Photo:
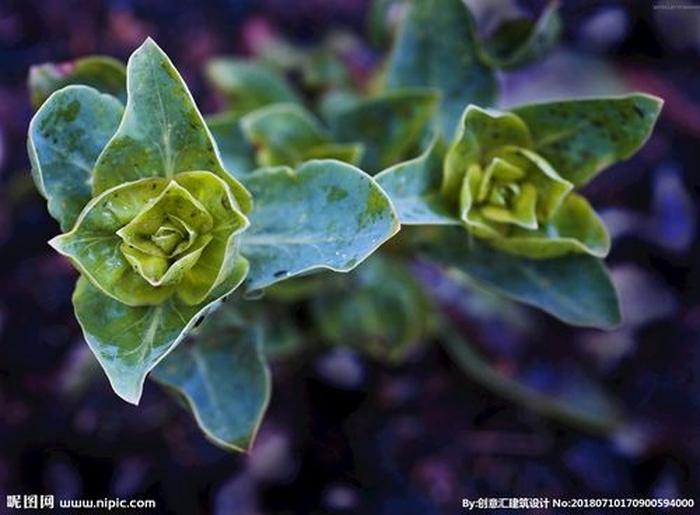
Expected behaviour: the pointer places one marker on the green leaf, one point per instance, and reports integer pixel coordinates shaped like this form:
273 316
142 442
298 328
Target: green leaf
481 132
390 126
327 214
128 341
111 243
575 288
237 153
436 47
286 134
414 188
322 69
580 138
381 21
519 41
575 227
248 85
162 132
105 74
379 309
224 377
280 330
65 138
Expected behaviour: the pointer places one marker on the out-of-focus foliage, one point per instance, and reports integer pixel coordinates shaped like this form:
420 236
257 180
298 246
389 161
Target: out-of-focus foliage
311 165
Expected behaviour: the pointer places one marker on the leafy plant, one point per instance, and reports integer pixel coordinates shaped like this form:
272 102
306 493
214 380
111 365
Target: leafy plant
166 214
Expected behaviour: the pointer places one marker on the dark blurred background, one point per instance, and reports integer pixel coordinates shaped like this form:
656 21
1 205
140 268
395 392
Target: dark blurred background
345 434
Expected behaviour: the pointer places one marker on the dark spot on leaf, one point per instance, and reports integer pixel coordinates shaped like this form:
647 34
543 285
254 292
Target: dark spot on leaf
198 322
335 194
639 111
280 273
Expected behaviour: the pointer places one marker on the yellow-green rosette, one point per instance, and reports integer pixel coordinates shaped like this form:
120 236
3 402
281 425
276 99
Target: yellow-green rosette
145 241
512 196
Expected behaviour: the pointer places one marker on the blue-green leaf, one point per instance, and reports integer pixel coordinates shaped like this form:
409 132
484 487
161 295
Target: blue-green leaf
379 309
237 153
248 85
573 288
162 132
326 214
437 47
414 187
580 138
103 73
65 138
520 41
223 375
288 135
390 126
128 341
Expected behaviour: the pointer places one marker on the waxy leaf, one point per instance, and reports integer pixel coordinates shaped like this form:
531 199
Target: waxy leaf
390 126
248 85
236 152
105 74
519 41
326 214
580 138
130 341
223 375
286 134
414 187
436 47
573 288
162 132
65 138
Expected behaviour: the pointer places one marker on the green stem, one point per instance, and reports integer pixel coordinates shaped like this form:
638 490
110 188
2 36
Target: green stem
478 369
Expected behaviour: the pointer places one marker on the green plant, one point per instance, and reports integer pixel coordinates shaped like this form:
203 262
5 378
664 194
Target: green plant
167 214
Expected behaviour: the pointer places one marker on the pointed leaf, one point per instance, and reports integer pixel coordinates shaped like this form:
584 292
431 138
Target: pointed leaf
519 41
224 377
103 73
130 341
65 138
162 132
390 126
248 85
414 188
436 47
574 288
327 214
580 138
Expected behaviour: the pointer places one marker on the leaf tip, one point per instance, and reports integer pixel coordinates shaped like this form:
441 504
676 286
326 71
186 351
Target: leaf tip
56 243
